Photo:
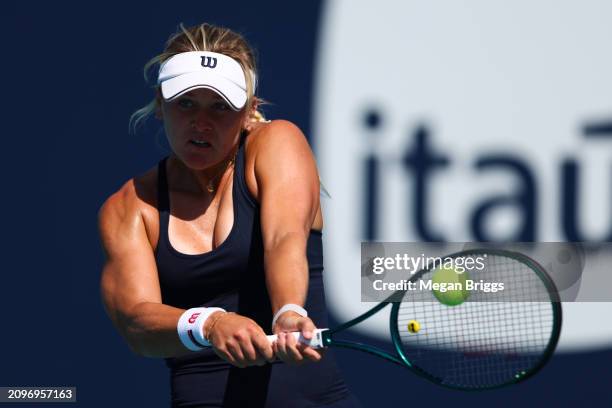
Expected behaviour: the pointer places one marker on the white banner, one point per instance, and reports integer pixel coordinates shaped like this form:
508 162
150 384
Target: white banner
462 121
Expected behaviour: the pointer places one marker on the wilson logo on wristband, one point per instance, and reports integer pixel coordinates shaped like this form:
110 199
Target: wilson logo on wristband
193 318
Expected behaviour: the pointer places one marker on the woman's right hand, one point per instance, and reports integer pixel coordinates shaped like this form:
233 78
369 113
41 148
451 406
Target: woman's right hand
238 340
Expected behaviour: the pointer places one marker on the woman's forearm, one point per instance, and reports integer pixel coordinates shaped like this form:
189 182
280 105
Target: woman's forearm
286 269
150 330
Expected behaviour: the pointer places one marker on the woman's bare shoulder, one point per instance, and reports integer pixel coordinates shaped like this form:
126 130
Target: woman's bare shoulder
273 135
136 198
277 127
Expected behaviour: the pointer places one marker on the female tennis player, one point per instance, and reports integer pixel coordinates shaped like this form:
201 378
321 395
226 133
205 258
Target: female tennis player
221 241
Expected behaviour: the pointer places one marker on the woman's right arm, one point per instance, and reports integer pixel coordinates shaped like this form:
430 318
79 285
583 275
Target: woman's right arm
129 284
132 297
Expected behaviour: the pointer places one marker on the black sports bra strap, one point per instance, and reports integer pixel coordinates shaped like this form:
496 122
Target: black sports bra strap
163 201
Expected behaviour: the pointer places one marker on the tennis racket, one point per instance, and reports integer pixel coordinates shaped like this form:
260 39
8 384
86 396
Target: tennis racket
479 344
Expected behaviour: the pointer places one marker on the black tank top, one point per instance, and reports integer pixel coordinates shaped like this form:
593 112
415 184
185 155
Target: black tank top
230 276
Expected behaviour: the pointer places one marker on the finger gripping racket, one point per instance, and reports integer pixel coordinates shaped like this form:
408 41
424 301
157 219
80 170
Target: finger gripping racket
479 344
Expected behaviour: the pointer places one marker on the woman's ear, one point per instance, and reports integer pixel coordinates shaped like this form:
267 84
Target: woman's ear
250 114
247 124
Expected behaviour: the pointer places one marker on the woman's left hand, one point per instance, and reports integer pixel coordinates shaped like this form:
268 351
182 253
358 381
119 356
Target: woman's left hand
286 347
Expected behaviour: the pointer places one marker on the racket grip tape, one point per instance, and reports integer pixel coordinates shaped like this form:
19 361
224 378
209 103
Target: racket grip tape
315 342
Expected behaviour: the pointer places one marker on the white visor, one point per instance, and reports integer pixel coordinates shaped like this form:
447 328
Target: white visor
202 69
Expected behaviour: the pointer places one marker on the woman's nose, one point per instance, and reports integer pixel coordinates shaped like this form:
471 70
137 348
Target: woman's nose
201 123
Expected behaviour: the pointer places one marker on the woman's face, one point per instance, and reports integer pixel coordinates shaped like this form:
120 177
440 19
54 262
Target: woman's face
201 128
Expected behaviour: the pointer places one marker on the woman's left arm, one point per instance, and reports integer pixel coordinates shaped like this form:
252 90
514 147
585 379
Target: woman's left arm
288 192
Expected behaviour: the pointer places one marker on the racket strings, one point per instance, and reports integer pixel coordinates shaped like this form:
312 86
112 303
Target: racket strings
486 341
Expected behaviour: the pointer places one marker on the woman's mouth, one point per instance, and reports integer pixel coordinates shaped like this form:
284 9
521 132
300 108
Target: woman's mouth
199 143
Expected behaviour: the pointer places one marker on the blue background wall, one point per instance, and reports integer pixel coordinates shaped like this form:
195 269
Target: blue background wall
72 75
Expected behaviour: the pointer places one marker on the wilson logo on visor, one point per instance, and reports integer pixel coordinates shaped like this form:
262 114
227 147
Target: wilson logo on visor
209 62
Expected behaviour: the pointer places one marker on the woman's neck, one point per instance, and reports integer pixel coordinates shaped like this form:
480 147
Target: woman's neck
205 181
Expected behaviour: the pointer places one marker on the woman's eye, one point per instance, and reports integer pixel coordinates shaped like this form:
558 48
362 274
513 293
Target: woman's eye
221 106
185 103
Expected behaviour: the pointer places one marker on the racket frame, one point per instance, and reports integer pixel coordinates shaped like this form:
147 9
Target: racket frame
402 360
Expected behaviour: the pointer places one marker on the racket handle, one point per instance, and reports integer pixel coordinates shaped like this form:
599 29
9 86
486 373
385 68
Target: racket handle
316 342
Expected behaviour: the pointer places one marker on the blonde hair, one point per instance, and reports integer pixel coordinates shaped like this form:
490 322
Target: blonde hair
206 37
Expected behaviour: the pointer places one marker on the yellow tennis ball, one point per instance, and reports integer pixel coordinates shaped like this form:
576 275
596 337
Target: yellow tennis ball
449 286
414 326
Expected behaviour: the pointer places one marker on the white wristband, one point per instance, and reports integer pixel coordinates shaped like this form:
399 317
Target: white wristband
289 307
190 327
199 334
